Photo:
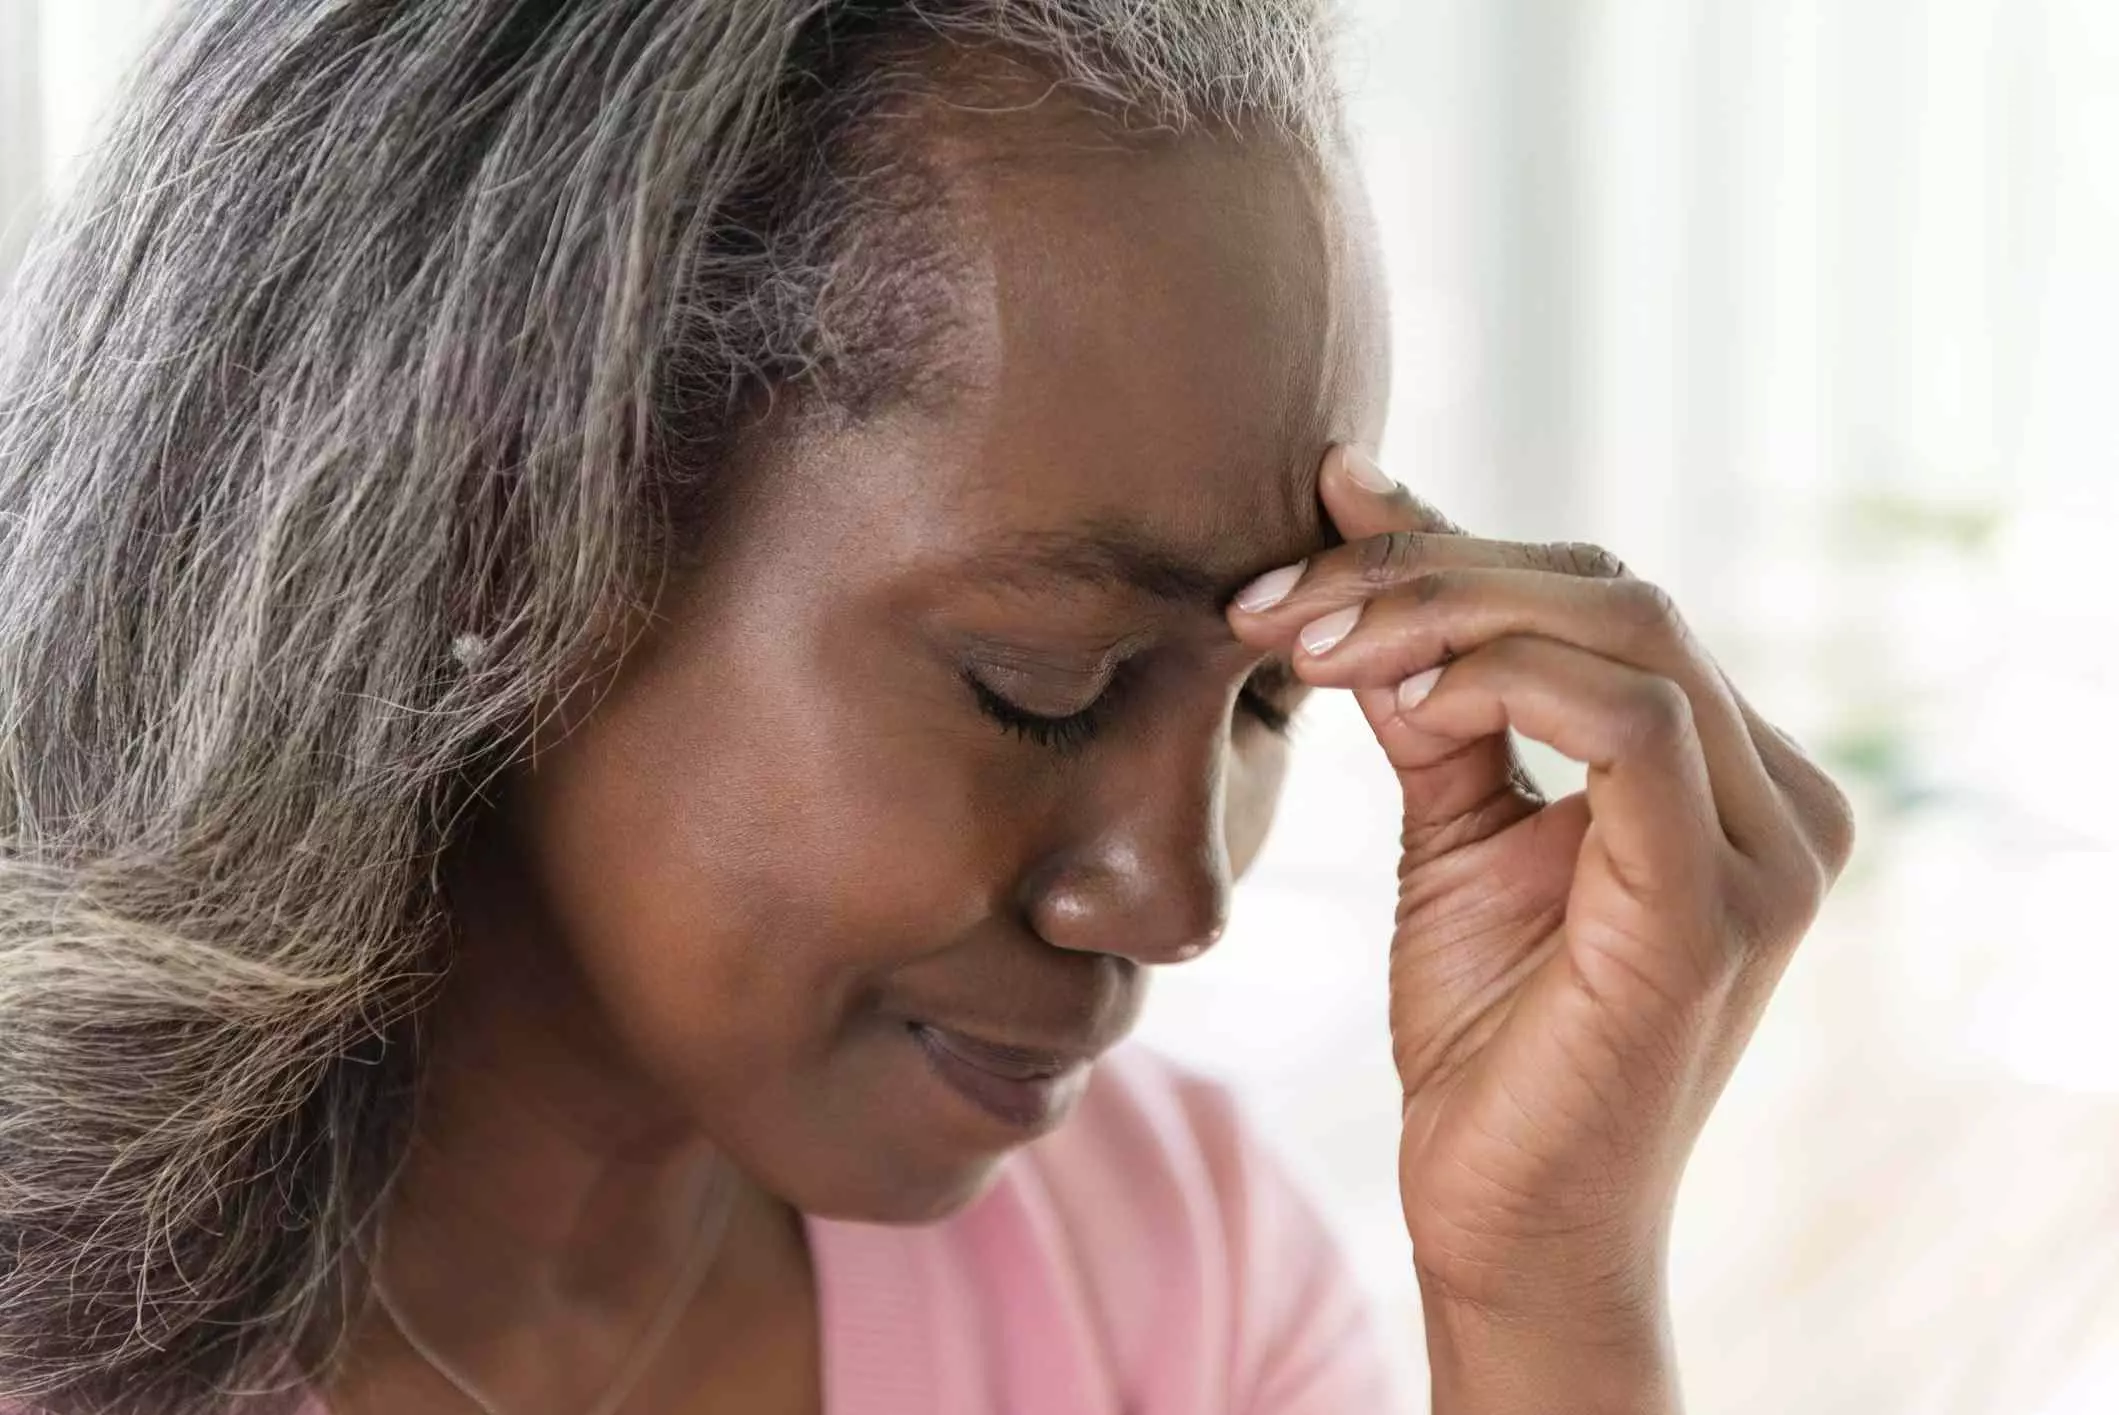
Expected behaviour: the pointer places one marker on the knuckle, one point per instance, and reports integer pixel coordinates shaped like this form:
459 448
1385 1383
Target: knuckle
1387 559
1824 816
1798 874
1801 893
1647 609
1585 561
1832 824
1657 711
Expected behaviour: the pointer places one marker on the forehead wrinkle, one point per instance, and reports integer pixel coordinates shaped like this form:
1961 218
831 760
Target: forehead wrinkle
1311 530
1101 557
1112 555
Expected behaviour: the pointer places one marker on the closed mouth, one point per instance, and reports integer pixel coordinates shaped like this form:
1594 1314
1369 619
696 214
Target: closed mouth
1010 1063
1027 1090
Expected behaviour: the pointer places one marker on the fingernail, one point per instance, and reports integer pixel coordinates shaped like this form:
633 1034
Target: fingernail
1322 635
1270 588
1366 473
1414 690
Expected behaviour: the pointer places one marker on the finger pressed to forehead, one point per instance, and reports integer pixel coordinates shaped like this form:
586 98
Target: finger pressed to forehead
1349 574
1446 613
1363 500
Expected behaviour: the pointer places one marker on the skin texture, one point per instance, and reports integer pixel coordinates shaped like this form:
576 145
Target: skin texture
699 927
697 930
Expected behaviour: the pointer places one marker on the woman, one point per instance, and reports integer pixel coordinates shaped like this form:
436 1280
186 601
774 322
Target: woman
625 625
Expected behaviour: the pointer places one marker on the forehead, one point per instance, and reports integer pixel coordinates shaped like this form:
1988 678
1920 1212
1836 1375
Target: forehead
1164 334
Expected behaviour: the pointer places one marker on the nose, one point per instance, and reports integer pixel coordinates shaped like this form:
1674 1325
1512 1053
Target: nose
1147 875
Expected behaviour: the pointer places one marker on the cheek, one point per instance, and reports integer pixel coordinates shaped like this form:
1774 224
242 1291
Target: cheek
744 891
742 848
731 892
1255 777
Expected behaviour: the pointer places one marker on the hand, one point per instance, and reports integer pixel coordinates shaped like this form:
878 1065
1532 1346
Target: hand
1571 983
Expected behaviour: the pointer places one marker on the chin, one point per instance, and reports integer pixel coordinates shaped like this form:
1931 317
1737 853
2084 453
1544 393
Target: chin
907 1128
936 1197
930 1154
898 1190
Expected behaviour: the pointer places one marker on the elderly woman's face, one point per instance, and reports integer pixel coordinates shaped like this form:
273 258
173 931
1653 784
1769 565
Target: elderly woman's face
865 856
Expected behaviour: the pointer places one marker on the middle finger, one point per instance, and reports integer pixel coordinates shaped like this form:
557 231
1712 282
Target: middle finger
1410 625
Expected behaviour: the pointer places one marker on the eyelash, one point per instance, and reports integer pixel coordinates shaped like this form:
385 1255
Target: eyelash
1078 729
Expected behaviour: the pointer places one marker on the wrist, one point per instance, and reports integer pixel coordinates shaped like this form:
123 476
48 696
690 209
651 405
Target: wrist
1617 1359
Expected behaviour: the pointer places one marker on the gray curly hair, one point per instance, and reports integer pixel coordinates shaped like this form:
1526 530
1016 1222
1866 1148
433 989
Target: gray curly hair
350 414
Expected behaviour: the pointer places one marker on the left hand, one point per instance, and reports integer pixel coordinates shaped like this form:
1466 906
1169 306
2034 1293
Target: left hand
1571 982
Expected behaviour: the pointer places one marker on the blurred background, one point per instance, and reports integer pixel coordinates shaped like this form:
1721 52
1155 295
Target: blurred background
1808 310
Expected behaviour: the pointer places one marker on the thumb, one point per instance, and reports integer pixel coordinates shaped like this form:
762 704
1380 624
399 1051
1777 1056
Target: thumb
1456 792
1363 500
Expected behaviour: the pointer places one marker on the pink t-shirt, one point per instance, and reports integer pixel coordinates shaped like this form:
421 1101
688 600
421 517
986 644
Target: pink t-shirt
1148 1258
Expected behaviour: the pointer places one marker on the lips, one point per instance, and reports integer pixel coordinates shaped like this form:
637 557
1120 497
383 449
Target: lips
1009 1063
1024 1089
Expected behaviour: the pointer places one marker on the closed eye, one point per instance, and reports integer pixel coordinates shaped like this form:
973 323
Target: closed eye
1061 734
1264 698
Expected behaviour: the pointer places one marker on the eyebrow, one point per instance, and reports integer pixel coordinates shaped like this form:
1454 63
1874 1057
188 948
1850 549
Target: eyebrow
1107 557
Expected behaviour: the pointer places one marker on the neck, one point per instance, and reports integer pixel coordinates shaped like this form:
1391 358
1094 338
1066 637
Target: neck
550 1198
